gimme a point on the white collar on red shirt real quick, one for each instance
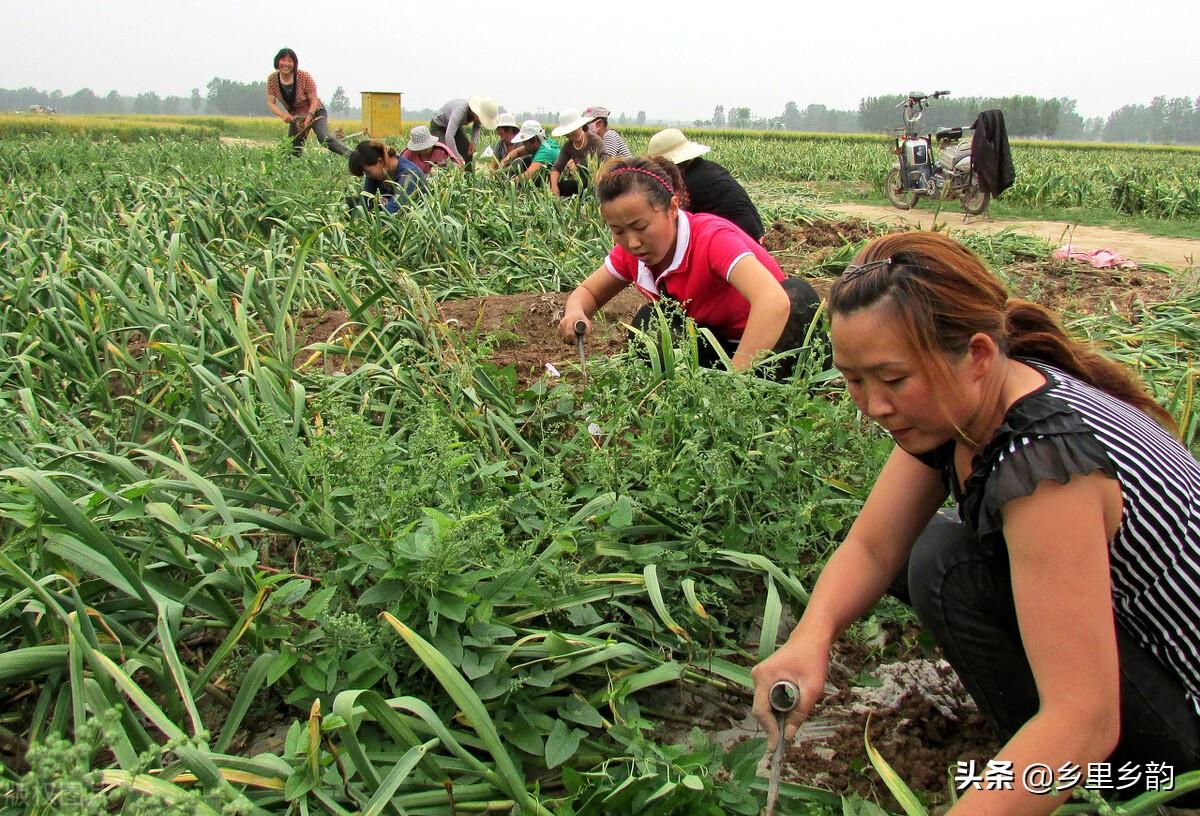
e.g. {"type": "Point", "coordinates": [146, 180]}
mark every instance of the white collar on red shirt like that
{"type": "Point", "coordinates": [683, 236]}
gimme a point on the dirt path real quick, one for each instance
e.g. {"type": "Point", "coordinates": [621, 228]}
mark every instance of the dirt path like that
{"type": "Point", "coordinates": [238, 141]}
{"type": "Point", "coordinates": [1180, 253]}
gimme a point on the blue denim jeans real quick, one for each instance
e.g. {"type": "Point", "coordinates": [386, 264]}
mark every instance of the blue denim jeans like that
{"type": "Point", "coordinates": [963, 596]}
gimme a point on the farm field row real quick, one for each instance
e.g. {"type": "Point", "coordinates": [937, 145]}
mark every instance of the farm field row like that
{"type": "Point", "coordinates": [1155, 182]}
{"type": "Point", "coordinates": [277, 535]}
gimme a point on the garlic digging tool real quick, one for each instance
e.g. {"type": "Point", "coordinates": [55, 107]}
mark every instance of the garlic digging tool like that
{"type": "Point", "coordinates": [783, 697]}
{"type": "Point", "coordinates": [304, 131]}
{"type": "Point", "coordinates": [580, 329]}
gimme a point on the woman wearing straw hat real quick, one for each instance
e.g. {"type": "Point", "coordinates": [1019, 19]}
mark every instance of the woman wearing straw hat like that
{"type": "Point", "coordinates": [449, 124]}
{"type": "Point", "coordinates": [531, 142]}
{"type": "Point", "coordinates": [579, 151]}
{"type": "Point", "coordinates": [710, 188]}
{"type": "Point", "coordinates": [426, 152]}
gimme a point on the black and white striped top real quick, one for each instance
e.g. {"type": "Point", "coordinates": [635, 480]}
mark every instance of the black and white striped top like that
{"type": "Point", "coordinates": [1068, 427]}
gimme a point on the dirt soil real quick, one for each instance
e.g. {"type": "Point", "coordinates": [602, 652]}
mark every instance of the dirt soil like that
{"type": "Point", "coordinates": [238, 141]}
{"type": "Point", "coordinates": [1179, 253]}
{"type": "Point", "coordinates": [323, 326]}
{"type": "Point", "coordinates": [524, 329]}
{"type": "Point", "coordinates": [1062, 286]}
{"type": "Point", "coordinates": [788, 237]}
{"type": "Point", "coordinates": [922, 720]}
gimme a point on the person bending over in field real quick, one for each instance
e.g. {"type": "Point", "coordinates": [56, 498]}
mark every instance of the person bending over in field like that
{"type": "Point", "coordinates": [1066, 591]}
{"type": "Point", "coordinates": [506, 132]}
{"type": "Point", "coordinates": [710, 187]}
{"type": "Point", "coordinates": [721, 279]}
{"type": "Point", "coordinates": [292, 96]}
{"type": "Point", "coordinates": [532, 143]}
{"type": "Point", "coordinates": [614, 144]}
{"type": "Point", "coordinates": [386, 174]}
{"type": "Point", "coordinates": [580, 154]}
{"type": "Point", "coordinates": [426, 152]}
{"type": "Point", "coordinates": [449, 125]}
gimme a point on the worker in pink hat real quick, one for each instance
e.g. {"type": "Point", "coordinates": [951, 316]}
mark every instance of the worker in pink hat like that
{"type": "Point", "coordinates": [614, 144]}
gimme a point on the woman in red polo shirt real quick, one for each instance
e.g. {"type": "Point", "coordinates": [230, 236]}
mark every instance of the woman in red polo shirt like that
{"type": "Point", "coordinates": [722, 279]}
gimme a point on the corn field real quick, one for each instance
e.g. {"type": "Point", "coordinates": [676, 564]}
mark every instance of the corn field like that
{"type": "Point", "coordinates": [442, 591]}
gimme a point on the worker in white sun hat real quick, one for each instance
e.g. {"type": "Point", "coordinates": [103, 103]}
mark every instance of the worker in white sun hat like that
{"type": "Point", "coordinates": [450, 123]}
{"type": "Point", "coordinates": [426, 152]}
{"type": "Point", "coordinates": [532, 143]}
{"type": "Point", "coordinates": [581, 153]}
{"type": "Point", "coordinates": [507, 130]}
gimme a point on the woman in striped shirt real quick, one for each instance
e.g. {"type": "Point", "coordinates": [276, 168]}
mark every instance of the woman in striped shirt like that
{"type": "Point", "coordinates": [1068, 595]}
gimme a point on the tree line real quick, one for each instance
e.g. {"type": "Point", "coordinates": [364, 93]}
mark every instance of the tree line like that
{"type": "Point", "coordinates": [224, 97]}
{"type": "Point", "coordinates": [1174, 120]}
{"type": "Point", "coordinates": [1164, 121]}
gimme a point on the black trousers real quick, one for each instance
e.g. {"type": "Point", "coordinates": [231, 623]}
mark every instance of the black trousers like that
{"type": "Point", "coordinates": [805, 303]}
{"type": "Point", "coordinates": [321, 128]}
{"type": "Point", "coordinates": [963, 596]}
{"type": "Point", "coordinates": [568, 187]}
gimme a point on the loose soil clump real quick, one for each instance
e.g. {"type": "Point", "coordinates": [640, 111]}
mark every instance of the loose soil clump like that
{"type": "Point", "coordinates": [922, 721]}
{"type": "Point", "coordinates": [522, 330]}
{"type": "Point", "coordinates": [323, 326]}
{"type": "Point", "coordinates": [1069, 287]}
{"type": "Point", "coordinates": [782, 236]}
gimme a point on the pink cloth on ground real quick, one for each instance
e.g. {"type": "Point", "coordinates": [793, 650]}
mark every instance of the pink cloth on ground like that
{"type": "Point", "coordinates": [1099, 258]}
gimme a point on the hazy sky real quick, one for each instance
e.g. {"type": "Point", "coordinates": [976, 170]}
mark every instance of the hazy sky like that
{"type": "Point", "coordinates": [674, 60]}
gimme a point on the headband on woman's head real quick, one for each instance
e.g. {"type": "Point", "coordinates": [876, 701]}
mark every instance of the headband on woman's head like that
{"type": "Point", "coordinates": [644, 172]}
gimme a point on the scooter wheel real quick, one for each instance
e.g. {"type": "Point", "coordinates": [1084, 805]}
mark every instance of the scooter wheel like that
{"type": "Point", "coordinates": [901, 199]}
{"type": "Point", "coordinates": [974, 200]}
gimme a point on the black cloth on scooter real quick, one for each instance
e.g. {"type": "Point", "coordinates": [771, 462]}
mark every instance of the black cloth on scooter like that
{"type": "Point", "coordinates": [990, 154]}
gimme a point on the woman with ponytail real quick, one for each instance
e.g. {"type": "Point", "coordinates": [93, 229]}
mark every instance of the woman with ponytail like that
{"type": "Point", "coordinates": [720, 277]}
{"type": "Point", "coordinates": [1066, 592]}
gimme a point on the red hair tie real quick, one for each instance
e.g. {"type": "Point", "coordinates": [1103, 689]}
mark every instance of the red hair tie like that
{"type": "Point", "coordinates": [644, 172]}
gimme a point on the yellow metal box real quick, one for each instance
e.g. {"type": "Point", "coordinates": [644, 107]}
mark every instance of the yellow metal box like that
{"type": "Point", "coordinates": [381, 113]}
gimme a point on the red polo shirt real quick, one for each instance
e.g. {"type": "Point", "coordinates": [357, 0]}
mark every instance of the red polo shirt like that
{"type": "Point", "coordinates": [706, 249]}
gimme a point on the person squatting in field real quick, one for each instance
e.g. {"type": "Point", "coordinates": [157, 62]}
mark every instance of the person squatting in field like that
{"type": "Point", "coordinates": [614, 143]}
{"type": "Point", "coordinates": [531, 143]}
{"type": "Point", "coordinates": [449, 124]}
{"type": "Point", "coordinates": [580, 154]}
{"type": "Point", "coordinates": [426, 152]}
{"type": "Point", "coordinates": [506, 132]}
{"type": "Point", "coordinates": [710, 188]}
{"type": "Point", "coordinates": [292, 96]}
{"type": "Point", "coordinates": [722, 279]}
{"type": "Point", "coordinates": [386, 174]}
{"type": "Point", "coordinates": [1065, 593]}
